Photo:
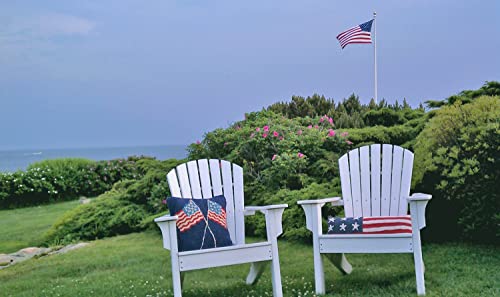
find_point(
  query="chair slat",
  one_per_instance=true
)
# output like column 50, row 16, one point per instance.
column 405, row 181
column 194, row 179
column 375, row 178
column 385, row 199
column 173, row 184
column 183, row 177
column 227, row 186
column 239, row 204
column 206, row 187
column 397, row 166
column 215, row 174
column 364, row 157
column 355, row 182
column 345, row 182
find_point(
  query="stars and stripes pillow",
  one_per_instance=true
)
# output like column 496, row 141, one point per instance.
column 370, row 225
column 201, row 223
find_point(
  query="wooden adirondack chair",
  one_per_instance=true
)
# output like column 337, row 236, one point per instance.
column 208, row 178
column 375, row 182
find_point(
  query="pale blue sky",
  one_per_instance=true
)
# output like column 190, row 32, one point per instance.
column 122, row 72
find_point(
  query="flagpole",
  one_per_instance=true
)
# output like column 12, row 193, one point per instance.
column 375, row 54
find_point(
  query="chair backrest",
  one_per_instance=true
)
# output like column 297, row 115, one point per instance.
column 208, row 178
column 376, row 180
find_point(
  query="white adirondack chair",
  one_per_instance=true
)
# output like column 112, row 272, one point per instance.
column 208, row 178
column 375, row 181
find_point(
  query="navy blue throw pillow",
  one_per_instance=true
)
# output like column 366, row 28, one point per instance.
column 201, row 223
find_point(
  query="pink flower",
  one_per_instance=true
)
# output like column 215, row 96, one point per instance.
column 300, row 155
column 299, row 132
column 238, row 128
column 348, row 142
column 321, row 120
column 198, row 142
column 344, row 134
column 257, row 129
column 310, row 127
column 276, row 134
column 164, row 201
column 331, row 121
column 281, row 138
column 331, row 133
column 274, row 157
column 266, row 128
column 264, row 135
column 252, row 135
column 225, row 143
column 316, row 126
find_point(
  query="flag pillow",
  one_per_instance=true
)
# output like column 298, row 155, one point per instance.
column 369, row 225
column 201, row 223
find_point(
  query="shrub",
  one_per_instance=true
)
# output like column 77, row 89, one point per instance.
column 103, row 217
column 457, row 157
column 64, row 179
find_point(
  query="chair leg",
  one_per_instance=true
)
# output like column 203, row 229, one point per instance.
column 340, row 261
column 319, row 274
column 177, row 282
column 419, row 264
column 276, row 272
column 256, row 270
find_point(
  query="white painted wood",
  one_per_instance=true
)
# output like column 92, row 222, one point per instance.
column 361, row 244
column 364, row 159
column 173, row 184
column 236, row 254
column 405, row 182
column 375, row 158
column 256, row 270
column 397, row 166
column 202, row 179
column 385, row 195
column 239, row 205
column 345, row 182
column 227, row 186
column 183, row 178
column 417, row 253
column 206, row 185
column 194, row 179
column 215, row 175
column 355, row 182
column 319, row 273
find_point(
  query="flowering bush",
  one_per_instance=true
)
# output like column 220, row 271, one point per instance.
column 63, row 179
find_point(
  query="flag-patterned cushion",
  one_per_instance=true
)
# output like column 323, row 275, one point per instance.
column 201, row 223
column 370, row 225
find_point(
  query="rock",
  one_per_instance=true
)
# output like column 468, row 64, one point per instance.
column 70, row 248
column 84, row 200
column 6, row 260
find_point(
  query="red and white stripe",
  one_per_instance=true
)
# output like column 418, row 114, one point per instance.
column 185, row 222
column 354, row 35
column 386, row 225
column 219, row 219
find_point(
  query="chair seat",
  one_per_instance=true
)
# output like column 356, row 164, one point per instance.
column 223, row 256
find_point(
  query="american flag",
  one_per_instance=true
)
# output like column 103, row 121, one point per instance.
column 216, row 213
column 357, row 34
column 370, row 225
column 188, row 216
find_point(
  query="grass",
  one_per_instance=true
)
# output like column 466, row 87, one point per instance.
column 23, row 227
column 136, row 265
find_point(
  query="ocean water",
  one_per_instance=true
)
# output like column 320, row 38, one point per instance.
column 20, row 159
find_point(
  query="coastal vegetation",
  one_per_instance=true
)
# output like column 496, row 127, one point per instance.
column 289, row 152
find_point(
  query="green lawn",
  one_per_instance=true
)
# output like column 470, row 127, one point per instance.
column 136, row 265
column 23, row 227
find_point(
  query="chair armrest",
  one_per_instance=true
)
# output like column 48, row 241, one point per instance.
column 334, row 200
column 250, row 210
column 418, row 203
column 165, row 219
column 274, row 214
column 419, row 197
column 168, row 232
